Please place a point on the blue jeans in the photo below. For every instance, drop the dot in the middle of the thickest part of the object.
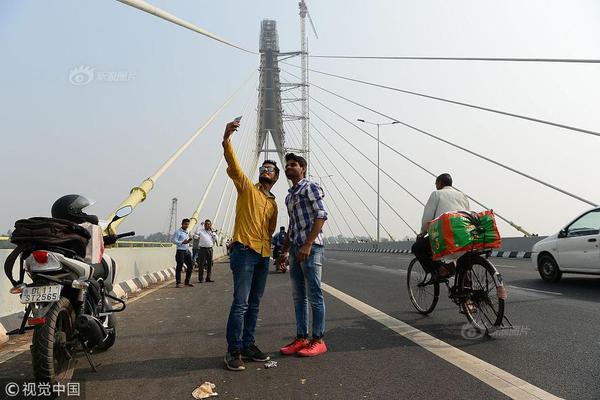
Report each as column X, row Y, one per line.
column 250, row 271
column 306, row 286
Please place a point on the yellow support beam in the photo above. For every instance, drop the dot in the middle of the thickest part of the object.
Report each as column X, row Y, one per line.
column 139, row 193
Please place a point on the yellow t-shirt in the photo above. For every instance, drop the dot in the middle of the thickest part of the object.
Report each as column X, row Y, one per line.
column 255, row 210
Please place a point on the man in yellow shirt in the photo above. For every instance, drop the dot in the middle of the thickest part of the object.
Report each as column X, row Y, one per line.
column 255, row 222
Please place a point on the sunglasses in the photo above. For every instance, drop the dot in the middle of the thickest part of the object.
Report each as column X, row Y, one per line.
column 266, row 169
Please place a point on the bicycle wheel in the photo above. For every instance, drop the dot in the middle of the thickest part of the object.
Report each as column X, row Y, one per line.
column 423, row 296
column 479, row 284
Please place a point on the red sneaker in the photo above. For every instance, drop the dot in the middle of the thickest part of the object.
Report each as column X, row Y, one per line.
column 313, row 349
column 294, row 347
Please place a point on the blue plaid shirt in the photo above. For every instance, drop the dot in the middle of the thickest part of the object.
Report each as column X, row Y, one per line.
column 304, row 203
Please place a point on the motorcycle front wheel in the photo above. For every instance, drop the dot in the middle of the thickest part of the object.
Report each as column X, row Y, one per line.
column 52, row 351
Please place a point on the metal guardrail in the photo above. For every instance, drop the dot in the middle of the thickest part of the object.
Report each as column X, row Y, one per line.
column 125, row 243
column 121, row 243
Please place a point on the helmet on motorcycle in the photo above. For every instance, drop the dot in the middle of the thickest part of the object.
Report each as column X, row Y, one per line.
column 70, row 207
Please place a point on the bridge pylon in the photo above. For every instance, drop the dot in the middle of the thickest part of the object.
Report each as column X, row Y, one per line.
column 270, row 135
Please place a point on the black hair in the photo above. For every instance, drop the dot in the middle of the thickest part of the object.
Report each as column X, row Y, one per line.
column 183, row 221
column 208, row 220
column 282, row 228
column 444, row 179
column 294, row 157
column 274, row 164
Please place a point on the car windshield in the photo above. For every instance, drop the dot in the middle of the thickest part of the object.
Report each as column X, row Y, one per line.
column 587, row 224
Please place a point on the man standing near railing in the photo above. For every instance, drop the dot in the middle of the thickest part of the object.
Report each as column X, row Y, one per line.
column 206, row 239
column 181, row 238
column 255, row 222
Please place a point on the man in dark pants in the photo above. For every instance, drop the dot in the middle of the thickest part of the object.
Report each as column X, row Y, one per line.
column 181, row 238
column 255, row 222
column 206, row 240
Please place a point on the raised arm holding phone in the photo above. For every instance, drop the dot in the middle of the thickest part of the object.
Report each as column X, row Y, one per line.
column 250, row 250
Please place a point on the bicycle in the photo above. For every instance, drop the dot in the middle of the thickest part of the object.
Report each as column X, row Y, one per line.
column 477, row 288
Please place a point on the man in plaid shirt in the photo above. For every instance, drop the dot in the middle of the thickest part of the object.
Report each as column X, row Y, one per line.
column 304, row 247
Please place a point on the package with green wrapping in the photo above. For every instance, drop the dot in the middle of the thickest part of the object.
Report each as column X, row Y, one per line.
column 460, row 231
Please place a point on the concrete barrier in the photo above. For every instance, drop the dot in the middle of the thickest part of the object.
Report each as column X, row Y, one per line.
column 137, row 268
column 515, row 247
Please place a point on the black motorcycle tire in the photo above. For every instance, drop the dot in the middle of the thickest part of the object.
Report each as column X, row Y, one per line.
column 53, row 359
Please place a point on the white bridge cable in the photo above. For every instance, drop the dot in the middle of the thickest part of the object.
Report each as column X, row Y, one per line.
column 359, row 174
column 244, row 155
column 246, row 162
column 459, row 147
column 331, row 215
column 511, row 223
column 349, row 184
column 497, row 59
column 227, row 180
column 322, row 167
column 187, row 144
column 326, row 188
column 368, row 159
column 460, row 103
column 151, row 9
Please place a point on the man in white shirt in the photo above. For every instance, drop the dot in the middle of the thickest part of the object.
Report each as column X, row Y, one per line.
column 444, row 199
column 206, row 239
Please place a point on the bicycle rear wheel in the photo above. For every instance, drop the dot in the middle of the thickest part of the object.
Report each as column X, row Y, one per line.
column 480, row 285
column 423, row 296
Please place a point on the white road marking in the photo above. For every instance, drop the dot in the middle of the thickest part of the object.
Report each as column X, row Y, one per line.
column 489, row 374
column 534, row 290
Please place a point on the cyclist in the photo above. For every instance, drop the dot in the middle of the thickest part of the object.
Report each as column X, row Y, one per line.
column 445, row 198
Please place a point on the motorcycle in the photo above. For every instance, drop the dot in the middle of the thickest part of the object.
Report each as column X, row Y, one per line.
column 69, row 306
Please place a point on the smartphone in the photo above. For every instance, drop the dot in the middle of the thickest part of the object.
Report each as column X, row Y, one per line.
column 238, row 119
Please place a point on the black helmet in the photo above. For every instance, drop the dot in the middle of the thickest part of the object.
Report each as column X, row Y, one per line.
column 70, row 207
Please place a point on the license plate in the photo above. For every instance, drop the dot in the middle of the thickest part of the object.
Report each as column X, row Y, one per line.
column 41, row 294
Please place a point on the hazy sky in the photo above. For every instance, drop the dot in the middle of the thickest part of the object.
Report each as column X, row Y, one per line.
column 155, row 83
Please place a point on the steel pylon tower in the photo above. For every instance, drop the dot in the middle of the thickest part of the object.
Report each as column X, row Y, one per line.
column 173, row 217
column 270, row 115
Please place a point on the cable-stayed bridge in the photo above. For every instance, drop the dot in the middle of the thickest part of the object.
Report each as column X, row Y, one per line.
column 380, row 348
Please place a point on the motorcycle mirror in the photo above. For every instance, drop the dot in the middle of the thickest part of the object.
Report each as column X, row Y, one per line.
column 123, row 212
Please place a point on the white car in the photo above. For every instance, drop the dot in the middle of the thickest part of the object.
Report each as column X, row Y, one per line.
column 575, row 249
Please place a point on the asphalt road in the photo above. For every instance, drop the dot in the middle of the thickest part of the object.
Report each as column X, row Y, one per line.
column 172, row 340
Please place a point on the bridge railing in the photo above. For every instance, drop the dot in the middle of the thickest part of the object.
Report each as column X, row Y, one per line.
column 125, row 243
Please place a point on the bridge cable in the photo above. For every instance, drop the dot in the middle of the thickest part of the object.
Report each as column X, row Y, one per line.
column 500, row 59
column 139, row 193
column 511, row 223
column 456, row 102
column 151, row 9
column 321, row 166
column 333, row 219
column 460, row 147
column 227, row 180
column 351, row 186
column 244, row 156
column 326, row 188
column 359, row 174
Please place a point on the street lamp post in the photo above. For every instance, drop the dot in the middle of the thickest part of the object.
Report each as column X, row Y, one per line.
column 378, row 169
